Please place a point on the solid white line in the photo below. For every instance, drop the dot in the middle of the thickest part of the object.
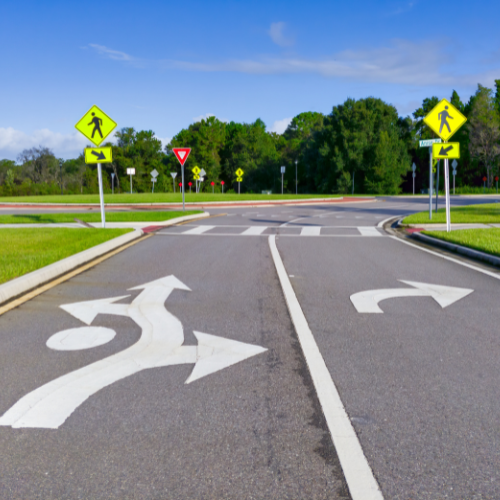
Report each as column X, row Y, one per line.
column 445, row 257
column 357, row 472
column 198, row 230
column 254, row 231
column 381, row 223
column 310, row 231
column 368, row 231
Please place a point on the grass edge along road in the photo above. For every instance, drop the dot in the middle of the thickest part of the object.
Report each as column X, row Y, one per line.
column 143, row 216
column 125, row 198
column 484, row 240
column 488, row 213
column 24, row 250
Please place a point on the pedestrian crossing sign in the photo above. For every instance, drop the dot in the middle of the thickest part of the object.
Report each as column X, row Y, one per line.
column 95, row 125
column 445, row 119
column 239, row 173
column 196, row 170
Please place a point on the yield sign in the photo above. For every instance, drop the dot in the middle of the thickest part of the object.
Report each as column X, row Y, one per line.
column 182, row 154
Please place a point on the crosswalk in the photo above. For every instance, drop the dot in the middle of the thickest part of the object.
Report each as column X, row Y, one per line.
column 308, row 231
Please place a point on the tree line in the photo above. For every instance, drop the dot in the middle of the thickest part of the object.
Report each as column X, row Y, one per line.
column 362, row 146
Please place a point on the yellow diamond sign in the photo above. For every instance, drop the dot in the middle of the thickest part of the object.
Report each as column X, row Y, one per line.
column 446, row 150
column 196, row 170
column 445, row 119
column 98, row 155
column 239, row 173
column 95, row 125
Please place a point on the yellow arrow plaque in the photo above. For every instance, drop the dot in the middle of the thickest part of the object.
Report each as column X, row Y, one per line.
column 98, row 155
column 239, row 179
column 446, row 150
column 95, row 125
column 445, row 119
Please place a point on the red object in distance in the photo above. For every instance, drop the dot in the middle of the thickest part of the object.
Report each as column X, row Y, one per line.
column 222, row 182
column 190, row 184
column 181, row 154
column 212, row 183
column 180, row 184
column 496, row 178
column 485, row 179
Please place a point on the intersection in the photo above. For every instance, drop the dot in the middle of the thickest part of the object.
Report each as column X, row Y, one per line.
column 417, row 382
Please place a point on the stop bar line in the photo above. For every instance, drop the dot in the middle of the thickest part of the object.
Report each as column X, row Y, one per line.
column 357, row 472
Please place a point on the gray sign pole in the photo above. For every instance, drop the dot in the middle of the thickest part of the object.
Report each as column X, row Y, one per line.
column 437, row 185
column 447, row 193
column 296, row 178
column 112, row 183
column 101, row 195
column 183, row 206
column 430, row 182
column 130, row 183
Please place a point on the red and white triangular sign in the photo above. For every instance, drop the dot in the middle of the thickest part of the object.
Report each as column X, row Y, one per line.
column 182, row 154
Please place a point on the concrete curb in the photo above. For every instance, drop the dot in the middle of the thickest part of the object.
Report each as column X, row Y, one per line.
column 23, row 284
column 468, row 252
column 440, row 227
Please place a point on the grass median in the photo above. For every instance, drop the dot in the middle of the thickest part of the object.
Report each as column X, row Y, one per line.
column 125, row 198
column 488, row 213
column 484, row 240
column 143, row 216
column 27, row 249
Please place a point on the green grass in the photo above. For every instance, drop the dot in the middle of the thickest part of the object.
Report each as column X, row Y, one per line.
column 143, row 216
column 484, row 240
column 488, row 213
column 25, row 250
column 157, row 198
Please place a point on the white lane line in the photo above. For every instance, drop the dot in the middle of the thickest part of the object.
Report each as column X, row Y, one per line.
column 311, row 231
column 357, row 472
column 254, row 231
column 451, row 259
column 198, row 230
column 369, row 231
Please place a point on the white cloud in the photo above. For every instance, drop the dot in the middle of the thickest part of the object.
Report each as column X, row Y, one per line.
column 276, row 32
column 399, row 62
column 12, row 142
column 279, row 126
column 202, row 117
column 110, row 53
column 165, row 141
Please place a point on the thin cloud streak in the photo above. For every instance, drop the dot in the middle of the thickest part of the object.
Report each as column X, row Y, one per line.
column 276, row 32
column 401, row 62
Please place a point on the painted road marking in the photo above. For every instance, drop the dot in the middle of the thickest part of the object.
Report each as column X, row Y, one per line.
column 310, row 231
column 198, row 230
column 357, row 472
column 76, row 339
column 369, row 231
column 367, row 302
column 254, row 231
column 160, row 344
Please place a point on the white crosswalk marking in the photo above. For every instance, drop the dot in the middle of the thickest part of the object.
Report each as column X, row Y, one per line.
column 198, row 230
column 311, row 231
column 254, row 231
column 369, row 231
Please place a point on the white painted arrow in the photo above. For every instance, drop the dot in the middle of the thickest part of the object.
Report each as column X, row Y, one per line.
column 160, row 345
column 367, row 302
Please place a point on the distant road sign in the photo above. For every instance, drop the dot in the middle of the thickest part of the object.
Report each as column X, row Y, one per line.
column 414, row 167
column 154, row 173
column 445, row 119
column 196, row 170
column 174, row 175
column 98, row 155
column 202, row 173
column 282, row 170
column 239, row 179
column 196, row 177
column 427, row 143
column 95, row 125
column 239, row 173
column 181, row 154
column 130, row 171
column 446, row 150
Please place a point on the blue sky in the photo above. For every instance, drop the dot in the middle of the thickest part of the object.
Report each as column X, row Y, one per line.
column 162, row 65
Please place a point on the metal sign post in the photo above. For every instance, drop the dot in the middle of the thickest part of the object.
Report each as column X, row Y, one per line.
column 101, row 195
column 427, row 143
column 222, row 184
column 154, row 175
column 282, row 175
column 414, row 167
column 296, row 178
column 174, row 175
column 182, row 155
column 447, row 193
column 454, row 164
column 131, row 172
column 112, row 183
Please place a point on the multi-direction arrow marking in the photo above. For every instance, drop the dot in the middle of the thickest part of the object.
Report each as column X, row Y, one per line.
column 160, row 345
column 100, row 155
column 367, row 302
column 444, row 151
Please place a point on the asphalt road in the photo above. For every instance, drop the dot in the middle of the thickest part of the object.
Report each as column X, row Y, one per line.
column 419, row 382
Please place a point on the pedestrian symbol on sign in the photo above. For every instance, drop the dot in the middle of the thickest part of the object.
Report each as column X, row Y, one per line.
column 97, row 125
column 443, row 117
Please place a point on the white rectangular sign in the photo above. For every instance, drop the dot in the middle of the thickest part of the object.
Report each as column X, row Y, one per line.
column 427, row 143
column 130, row 171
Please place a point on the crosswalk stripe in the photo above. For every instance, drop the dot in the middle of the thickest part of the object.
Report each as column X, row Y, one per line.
column 369, row 231
column 198, row 230
column 254, row 231
column 311, row 231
